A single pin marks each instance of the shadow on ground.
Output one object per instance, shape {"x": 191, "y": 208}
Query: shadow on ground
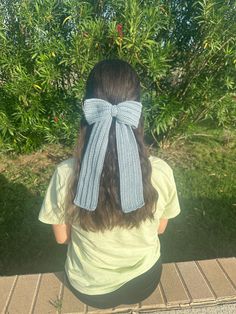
{"x": 26, "y": 244}
{"x": 197, "y": 232}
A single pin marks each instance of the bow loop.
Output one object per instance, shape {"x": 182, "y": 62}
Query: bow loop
{"x": 129, "y": 112}
{"x": 96, "y": 110}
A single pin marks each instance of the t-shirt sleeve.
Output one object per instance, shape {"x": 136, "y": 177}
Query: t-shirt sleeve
{"x": 172, "y": 208}
{"x": 164, "y": 182}
{"x": 53, "y": 207}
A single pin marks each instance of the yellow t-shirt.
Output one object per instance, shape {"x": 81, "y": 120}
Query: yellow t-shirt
{"x": 97, "y": 262}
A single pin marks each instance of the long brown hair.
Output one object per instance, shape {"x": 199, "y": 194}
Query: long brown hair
{"x": 114, "y": 81}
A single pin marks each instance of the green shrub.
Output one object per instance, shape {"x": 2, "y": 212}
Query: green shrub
{"x": 184, "y": 52}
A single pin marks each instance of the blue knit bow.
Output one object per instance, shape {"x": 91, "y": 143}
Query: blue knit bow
{"x": 100, "y": 113}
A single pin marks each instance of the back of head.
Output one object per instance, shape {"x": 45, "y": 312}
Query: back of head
{"x": 114, "y": 81}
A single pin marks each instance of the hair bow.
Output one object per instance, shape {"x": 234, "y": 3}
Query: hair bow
{"x": 100, "y": 113}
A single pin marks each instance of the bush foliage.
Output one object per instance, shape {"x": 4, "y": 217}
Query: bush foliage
{"x": 183, "y": 51}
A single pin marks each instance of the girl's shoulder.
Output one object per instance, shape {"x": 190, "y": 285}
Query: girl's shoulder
{"x": 162, "y": 176}
{"x": 66, "y": 165}
{"x": 160, "y": 166}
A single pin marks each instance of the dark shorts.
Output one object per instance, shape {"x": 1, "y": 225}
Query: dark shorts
{"x": 134, "y": 291}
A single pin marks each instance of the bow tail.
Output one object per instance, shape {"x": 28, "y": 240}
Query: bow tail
{"x": 131, "y": 187}
{"x": 92, "y": 164}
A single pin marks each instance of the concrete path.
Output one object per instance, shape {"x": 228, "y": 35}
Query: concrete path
{"x": 185, "y": 287}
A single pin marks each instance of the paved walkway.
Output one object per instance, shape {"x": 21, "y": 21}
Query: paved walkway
{"x": 186, "y": 287}
{"x": 219, "y": 309}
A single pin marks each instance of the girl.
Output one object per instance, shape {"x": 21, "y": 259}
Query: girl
{"x": 110, "y": 201}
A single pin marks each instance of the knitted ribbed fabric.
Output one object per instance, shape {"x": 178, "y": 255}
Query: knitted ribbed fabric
{"x": 100, "y": 113}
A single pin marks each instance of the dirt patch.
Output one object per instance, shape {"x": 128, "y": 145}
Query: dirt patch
{"x": 52, "y": 154}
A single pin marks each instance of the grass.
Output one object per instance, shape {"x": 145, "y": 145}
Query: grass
{"x": 57, "y": 304}
{"x": 204, "y": 167}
